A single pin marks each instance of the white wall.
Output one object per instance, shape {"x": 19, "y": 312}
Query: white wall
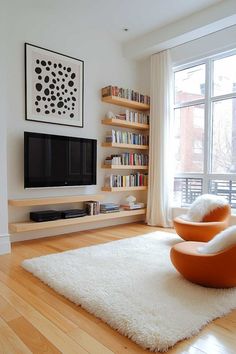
{"x": 58, "y": 29}
{"x": 4, "y": 238}
{"x": 143, "y": 77}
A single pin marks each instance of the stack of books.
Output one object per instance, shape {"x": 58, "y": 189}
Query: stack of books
{"x": 92, "y": 207}
{"x": 133, "y": 206}
{"x": 121, "y": 116}
{"x": 127, "y": 93}
{"x": 109, "y": 208}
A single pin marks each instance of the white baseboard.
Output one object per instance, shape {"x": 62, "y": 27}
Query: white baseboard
{"x": 5, "y": 244}
{"x": 66, "y": 230}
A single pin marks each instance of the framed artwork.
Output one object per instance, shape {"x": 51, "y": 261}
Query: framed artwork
{"x": 54, "y": 87}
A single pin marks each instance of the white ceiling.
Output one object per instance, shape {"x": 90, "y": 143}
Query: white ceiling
{"x": 202, "y": 23}
{"x": 140, "y": 16}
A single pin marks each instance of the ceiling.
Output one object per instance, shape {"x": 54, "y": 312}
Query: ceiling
{"x": 142, "y": 16}
{"x": 139, "y": 16}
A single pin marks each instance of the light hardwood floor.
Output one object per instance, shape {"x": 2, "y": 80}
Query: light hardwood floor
{"x": 35, "y": 319}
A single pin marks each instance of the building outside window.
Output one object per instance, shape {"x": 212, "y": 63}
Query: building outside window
{"x": 205, "y": 129}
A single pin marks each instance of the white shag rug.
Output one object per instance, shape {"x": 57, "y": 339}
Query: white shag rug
{"x": 132, "y": 285}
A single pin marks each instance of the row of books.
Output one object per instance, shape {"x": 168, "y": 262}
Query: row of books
{"x": 127, "y": 158}
{"x": 127, "y": 93}
{"x": 132, "y": 180}
{"x": 133, "y": 117}
{"x": 109, "y": 208}
{"x": 124, "y": 137}
{"x": 92, "y": 207}
{"x": 95, "y": 208}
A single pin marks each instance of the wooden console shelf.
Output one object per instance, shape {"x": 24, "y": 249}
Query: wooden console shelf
{"x": 125, "y": 124}
{"x": 124, "y": 189}
{"x": 54, "y": 200}
{"x": 32, "y": 226}
{"x": 125, "y": 146}
{"x": 126, "y": 103}
{"x": 125, "y": 167}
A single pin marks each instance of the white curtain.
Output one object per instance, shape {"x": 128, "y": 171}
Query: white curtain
{"x": 161, "y": 142}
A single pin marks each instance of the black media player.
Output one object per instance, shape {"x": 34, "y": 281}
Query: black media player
{"x": 45, "y": 215}
{"x": 73, "y": 213}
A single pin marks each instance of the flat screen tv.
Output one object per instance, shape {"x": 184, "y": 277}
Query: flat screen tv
{"x": 53, "y": 161}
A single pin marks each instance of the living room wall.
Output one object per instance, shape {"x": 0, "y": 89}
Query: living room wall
{"x": 51, "y": 27}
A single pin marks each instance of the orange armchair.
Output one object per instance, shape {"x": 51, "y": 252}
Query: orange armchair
{"x": 217, "y": 270}
{"x": 212, "y": 223}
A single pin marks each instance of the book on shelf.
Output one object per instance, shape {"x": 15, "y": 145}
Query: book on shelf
{"x": 108, "y": 161}
{"x": 109, "y": 207}
{"x": 120, "y": 116}
{"x": 109, "y": 211}
{"x": 133, "y": 206}
{"x": 130, "y": 116}
{"x": 136, "y": 117}
{"x": 92, "y": 207}
{"x": 126, "y": 93}
{"x": 132, "y": 180}
{"x": 113, "y": 160}
{"x": 126, "y": 137}
{"x": 127, "y": 158}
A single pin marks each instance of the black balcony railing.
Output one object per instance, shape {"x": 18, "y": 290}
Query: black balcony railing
{"x": 186, "y": 190}
{"x": 226, "y": 189}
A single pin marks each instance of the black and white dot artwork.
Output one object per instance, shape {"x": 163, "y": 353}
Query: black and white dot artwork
{"x": 54, "y": 87}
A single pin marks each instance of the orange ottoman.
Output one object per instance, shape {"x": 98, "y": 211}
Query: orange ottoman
{"x": 217, "y": 270}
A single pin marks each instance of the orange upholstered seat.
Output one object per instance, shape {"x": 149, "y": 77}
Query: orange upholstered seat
{"x": 217, "y": 270}
{"x": 212, "y": 223}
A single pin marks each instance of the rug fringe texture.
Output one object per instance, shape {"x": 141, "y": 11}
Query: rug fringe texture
{"x": 132, "y": 285}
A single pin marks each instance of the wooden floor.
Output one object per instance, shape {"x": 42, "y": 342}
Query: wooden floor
{"x": 35, "y": 319}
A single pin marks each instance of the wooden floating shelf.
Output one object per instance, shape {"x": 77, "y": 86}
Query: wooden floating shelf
{"x": 125, "y": 146}
{"x": 54, "y": 200}
{"x": 126, "y": 103}
{"x": 123, "y": 189}
{"x": 32, "y": 226}
{"x": 125, "y": 124}
{"x": 125, "y": 167}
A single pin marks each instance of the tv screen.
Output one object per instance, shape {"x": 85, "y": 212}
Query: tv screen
{"x": 52, "y": 160}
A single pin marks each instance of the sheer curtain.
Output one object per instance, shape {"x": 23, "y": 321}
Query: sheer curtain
{"x": 161, "y": 142}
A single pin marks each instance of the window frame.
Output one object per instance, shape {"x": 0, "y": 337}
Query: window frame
{"x": 208, "y": 101}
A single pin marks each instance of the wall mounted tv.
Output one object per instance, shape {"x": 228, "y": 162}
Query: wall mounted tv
{"x": 53, "y": 161}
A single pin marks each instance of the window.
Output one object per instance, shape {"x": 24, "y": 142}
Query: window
{"x": 205, "y": 129}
